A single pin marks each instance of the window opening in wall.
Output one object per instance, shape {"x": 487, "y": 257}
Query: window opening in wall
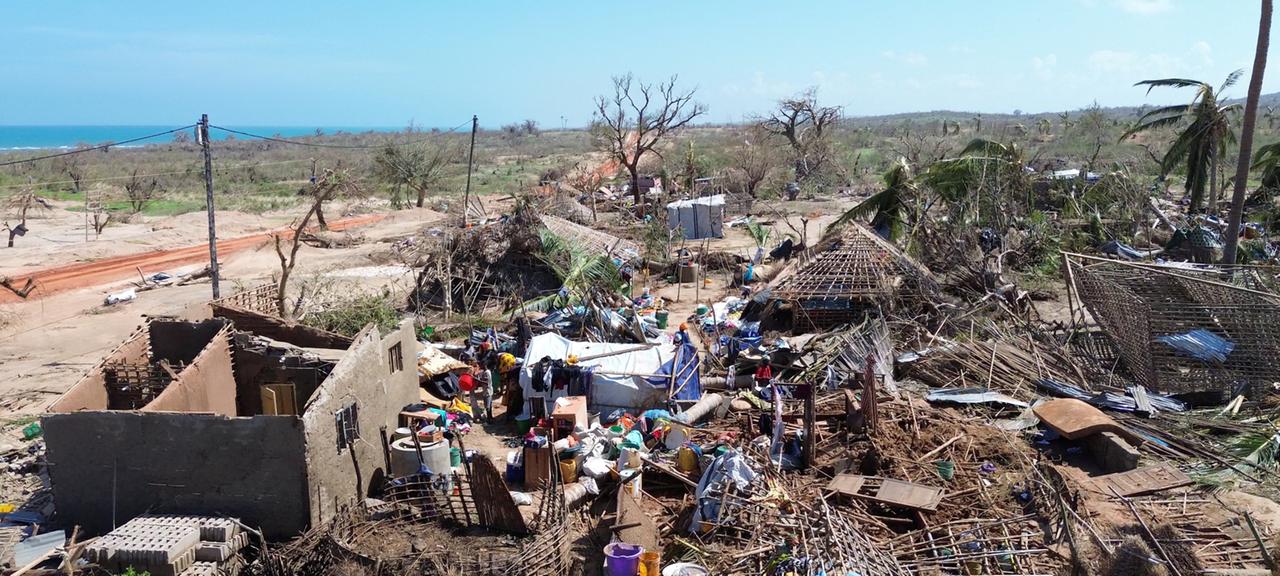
{"x": 395, "y": 358}
{"x": 348, "y": 423}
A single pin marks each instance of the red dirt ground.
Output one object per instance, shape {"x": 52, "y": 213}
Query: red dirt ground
{"x": 98, "y": 272}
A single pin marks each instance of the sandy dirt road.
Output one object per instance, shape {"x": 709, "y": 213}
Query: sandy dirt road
{"x": 95, "y": 273}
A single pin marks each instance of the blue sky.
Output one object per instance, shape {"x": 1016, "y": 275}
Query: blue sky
{"x": 436, "y": 63}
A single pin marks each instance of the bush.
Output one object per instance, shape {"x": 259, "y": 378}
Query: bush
{"x": 350, "y": 316}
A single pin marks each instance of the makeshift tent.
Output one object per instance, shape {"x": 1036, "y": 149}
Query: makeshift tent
{"x": 698, "y": 217}
{"x": 620, "y": 373}
{"x": 686, "y": 383}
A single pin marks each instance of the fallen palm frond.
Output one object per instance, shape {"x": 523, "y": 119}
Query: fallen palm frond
{"x": 581, "y": 273}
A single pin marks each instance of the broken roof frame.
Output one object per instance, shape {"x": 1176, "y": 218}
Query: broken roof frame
{"x": 828, "y": 283}
{"x": 1137, "y": 303}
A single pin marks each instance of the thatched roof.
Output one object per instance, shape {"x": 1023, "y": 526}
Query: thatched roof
{"x": 592, "y": 239}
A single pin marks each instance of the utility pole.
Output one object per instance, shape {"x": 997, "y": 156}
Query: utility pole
{"x": 202, "y": 134}
{"x": 466, "y": 196}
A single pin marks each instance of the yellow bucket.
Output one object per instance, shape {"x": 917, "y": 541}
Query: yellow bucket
{"x": 569, "y": 470}
{"x": 687, "y": 460}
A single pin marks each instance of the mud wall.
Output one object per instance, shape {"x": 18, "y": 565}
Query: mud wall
{"x": 206, "y": 385}
{"x": 364, "y": 378}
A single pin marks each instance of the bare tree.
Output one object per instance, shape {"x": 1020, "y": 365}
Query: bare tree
{"x": 73, "y": 166}
{"x": 920, "y": 150}
{"x": 751, "y": 163}
{"x": 637, "y": 117}
{"x": 417, "y": 167}
{"x": 328, "y": 186}
{"x": 807, "y": 128}
{"x": 141, "y": 191}
{"x": 19, "y": 206}
{"x": 530, "y": 127}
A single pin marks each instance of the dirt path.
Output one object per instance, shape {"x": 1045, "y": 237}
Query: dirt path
{"x": 98, "y": 272}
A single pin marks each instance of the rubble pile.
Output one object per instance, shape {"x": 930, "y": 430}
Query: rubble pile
{"x": 838, "y": 418}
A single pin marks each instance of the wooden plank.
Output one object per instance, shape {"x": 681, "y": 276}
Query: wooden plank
{"x": 909, "y": 495}
{"x": 494, "y": 505}
{"x": 269, "y": 401}
{"x": 632, "y": 525}
{"x": 1145, "y": 480}
{"x": 847, "y": 484}
{"x": 887, "y": 491}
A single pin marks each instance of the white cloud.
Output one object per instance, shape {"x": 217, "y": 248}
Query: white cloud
{"x": 762, "y": 86}
{"x": 1043, "y": 67}
{"x": 1119, "y": 62}
{"x": 908, "y": 58}
{"x": 1145, "y": 6}
{"x": 1197, "y": 59}
{"x": 962, "y": 81}
{"x": 1204, "y": 52}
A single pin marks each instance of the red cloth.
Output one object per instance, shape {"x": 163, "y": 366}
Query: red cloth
{"x": 466, "y": 383}
{"x": 764, "y": 372}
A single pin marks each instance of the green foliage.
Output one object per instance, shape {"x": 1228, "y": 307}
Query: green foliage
{"x": 1267, "y": 159}
{"x": 349, "y": 317}
{"x": 1041, "y": 251}
{"x": 1259, "y": 450}
{"x": 1206, "y": 131}
{"x": 130, "y": 571}
{"x": 581, "y": 273}
{"x": 758, "y": 232}
{"x": 890, "y": 207}
{"x": 656, "y": 241}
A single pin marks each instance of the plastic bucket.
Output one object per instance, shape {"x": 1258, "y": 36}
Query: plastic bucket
{"x": 569, "y": 470}
{"x": 946, "y": 469}
{"x": 661, "y": 316}
{"x": 622, "y": 559}
{"x": 684, "y": 569}
{"x": 687, "y": 460}
{"x": 650, "y": 563}
{"x": 515, "y": 473}
{"x": 455, "y": 456}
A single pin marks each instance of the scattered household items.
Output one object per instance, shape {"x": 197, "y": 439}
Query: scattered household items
{"x": 835, "y": 408}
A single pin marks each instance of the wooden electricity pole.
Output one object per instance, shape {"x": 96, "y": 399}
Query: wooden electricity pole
{"x": 203, "y": 135}
{"x": 466, "y": 196}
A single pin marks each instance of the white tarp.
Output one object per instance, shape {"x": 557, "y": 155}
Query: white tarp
{"x": 608, "y": 391}
{"x": 698, "y": 217}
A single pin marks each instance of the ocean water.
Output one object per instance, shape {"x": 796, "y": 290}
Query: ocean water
{"x": 42, "y": 137}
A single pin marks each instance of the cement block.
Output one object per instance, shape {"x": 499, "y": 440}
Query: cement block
{"x": 1112, "y": 453}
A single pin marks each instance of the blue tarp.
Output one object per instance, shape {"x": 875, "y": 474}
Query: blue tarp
{"x": 1200, "y": 344}
{"x": 687, "y": 381}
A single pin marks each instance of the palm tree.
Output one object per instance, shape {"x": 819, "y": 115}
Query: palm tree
{"x": 889, "y": 207}
{"x": 582, "y": 273}
{"x": 1246, "y": 134}
{"x": 1267, "y": 160}
{"x": 1206, "y": 133}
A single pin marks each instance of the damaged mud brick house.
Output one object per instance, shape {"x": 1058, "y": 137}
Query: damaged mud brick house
{"x": 240, "y": 414}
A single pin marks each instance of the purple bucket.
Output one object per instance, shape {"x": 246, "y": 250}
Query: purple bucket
{"x": 622, "y": 559}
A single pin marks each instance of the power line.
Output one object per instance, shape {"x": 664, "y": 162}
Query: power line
{"x": 344, "y": 146}
{"x": 99, "y": 147}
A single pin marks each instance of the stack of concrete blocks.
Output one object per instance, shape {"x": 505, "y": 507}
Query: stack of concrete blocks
{"x": 172, "y": 545}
